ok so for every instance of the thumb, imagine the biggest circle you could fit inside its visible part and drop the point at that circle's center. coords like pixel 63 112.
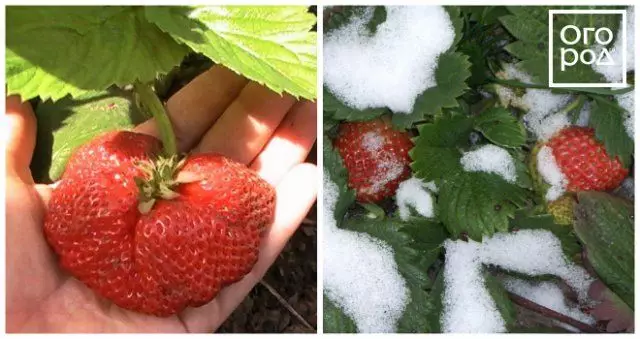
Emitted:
pixel 19 125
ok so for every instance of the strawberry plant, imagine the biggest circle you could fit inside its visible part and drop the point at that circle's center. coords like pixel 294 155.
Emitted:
pixel 150 229
pixel 514 187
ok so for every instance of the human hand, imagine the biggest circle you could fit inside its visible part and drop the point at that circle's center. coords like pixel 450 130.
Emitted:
pixel 219 111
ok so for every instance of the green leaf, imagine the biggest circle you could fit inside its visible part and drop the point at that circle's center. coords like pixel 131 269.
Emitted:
pixel 607 118
pixel 379 16
pixel 523 176
pixel 501 298
pixel 451 73
pixel 340 111
pixel 334 320
pixel 53 51
pixel 455 15
pixel 485 15
pixel 335 171
pixel 416 245
pixel 479 204
pixel 340 16
pixel 69 123
pixel 375 211
pixel 389 231
pixel 427 238
pixel 272 45
pixel 420 315
pixel 605 226
pixel 528 219
pixel 501 128
pixel 437 148
pixel 529 25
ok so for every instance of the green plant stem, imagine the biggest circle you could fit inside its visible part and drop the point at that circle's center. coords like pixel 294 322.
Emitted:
pixel 152 103
pixel 578 102
pixel 601 91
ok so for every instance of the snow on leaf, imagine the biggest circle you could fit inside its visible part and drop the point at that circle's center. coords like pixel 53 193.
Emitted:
pixel 549 295
pixel 470 306
pixel 436 153
pixel 451 75
pixel 528 219
pixel 416 245
pixel 612 72
pixel 351 255
pixel 334 320
pixel 490 159
pixel 548 168
pixel 391 67
pixel 412 192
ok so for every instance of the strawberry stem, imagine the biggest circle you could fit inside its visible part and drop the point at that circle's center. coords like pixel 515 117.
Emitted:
pixel 601 91
pixel 150 101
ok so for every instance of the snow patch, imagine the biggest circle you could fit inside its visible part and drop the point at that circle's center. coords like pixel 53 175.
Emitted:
pixel 543 118
pixel 612 72
pixel 627 102
pixel 468 306
pixel 627 188
pixel 535 252
pixel 360 273
pixel 393 66
pixel 551 173
pixel 412 193
pixel 549 295
pixel 431 186
pixel 584 115
pixel 490 159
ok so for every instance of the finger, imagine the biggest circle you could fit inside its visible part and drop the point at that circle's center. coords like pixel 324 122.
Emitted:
pixel 195 107
pixel 247 124
pixel 290 143
pixel 44 191
pixel 20 137
pixel 295 195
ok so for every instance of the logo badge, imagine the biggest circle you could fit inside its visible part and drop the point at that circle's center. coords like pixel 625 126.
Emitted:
pixel 586 44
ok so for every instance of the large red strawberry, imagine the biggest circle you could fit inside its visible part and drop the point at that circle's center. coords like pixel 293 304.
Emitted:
pixel 584 160
pixel 156 236
pixel 376 157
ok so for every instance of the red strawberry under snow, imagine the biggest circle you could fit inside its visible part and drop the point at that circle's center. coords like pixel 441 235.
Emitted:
pixel 193 239
pixel 376 157
pixel 584 160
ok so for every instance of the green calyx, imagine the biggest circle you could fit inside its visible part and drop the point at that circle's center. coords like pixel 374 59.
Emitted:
pixel 159 181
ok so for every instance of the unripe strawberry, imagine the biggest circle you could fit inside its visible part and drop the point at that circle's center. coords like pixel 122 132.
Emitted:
pixel 562 209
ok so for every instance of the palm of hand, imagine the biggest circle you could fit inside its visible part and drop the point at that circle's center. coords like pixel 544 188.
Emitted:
pixel 43 298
